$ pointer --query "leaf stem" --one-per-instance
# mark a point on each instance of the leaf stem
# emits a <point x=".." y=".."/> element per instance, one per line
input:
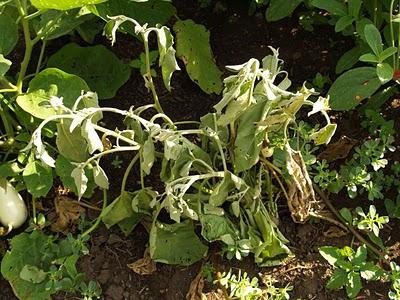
<point x="127" y="171"/>
<point x="148" y="77"/>
<point x="94" y="226"/>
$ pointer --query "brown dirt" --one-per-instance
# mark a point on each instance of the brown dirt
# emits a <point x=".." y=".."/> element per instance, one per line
<point x="235" y="38"/>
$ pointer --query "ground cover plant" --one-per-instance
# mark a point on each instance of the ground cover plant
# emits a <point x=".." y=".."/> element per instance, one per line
<point x="241" y="199"/>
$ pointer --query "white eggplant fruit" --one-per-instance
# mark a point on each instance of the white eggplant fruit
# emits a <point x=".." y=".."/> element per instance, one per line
<point x="13" y="211"/>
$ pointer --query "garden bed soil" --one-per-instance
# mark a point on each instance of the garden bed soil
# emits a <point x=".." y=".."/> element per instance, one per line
<point x="235" y="37"/>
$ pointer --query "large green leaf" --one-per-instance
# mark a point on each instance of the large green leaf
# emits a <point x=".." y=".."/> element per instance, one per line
<point x="8" y="35"/>
<point x="152" y="12"/>
<point x="38" y="179"/>
<point x="51" y="82"/>
<point x="279" y="9"/>
<point x="176" y="244"/>
<point x="193" y="48"/>
<point x="63" y="4"/>
<point x="97" y="65"/>
<point x="26" y="249"/>
<point x="216" y="228"/>
<point x="352" y="87"/>
<point x="57" y="23"/>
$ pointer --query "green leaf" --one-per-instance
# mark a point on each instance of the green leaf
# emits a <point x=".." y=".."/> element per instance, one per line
<point x="222" y="189"/>
<point x="91" y="137"/>
<point x="175" y="244"/>
<point x="9" y="169"/>
<point x="337" y="280"/>
<point x="64" y="169"/>
<point x="32" y="274"/>
<point x="97" y="65"/>
<point x="38" y="178"/>
<point x="354" y="285"/>
<point x="331" y="254"/>
<point x="279" y="9"/>
<point x="71" y="144"/>
<point x="119" y="210"/>
<point x="5" y="65"/>
<point x="193" y="48"/>
<point x="334" y="7"/>
<point x="26" y="249"/>
<point x="387" y="53"/>
<point x="360" y="256"/>
<point x="56" y="24"/>
<point x="384" y="72"/>
<point x="47" y="83"/>
<point x="354" y="7"/>
<point x="218" y="228"/>
<point x="250" y="136"/>
<point x="343" y="22"/>
<point x="348" y="59"/>
<point x="352" y="87"/>
<point x="373" y="38"/>
<point x="100" y="177"/>
<point x="152" y="12"/>
<point x="9" y="34"/>
<point x="148" y="154"/>
<point x="63" y="4"/>
<point x="346" y="214"/>
<point x="369" y="57"/>
<point x="324" y="135"/>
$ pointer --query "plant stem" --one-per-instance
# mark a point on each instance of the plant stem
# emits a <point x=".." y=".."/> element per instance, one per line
<point x="94" y="226"/>
<point x="375" y="12"/>
<point x="149" y="78"/>
<point x="28" y="45"/>
<point x="127" y="171"/>
<point x="392" y="32"/>
<point x="39" y="63"/>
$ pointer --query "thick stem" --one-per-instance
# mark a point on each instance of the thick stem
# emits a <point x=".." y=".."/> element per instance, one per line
<point x="28" y="45"/>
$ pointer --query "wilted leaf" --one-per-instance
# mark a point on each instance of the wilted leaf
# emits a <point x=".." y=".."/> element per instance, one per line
<point x="338" y="150"/>
<point x="145" y="265"/>
<point x="68" y="213"/>
<point x="38" y="178"/>
<point x="80" y="179"/>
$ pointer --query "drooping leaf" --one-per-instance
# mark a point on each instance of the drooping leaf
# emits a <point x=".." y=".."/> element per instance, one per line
<point x="5" y="65"/>
<point x="64" y="169"/>
<point x="249" y="137"/>
<point x="90" y="135"/>
<point x="97" y="65"/>
<point x="152" y="12"/>
<point x="215" y="228"/>
<point x="176" y="244"/>
<point x="38" y="179"/>
<point x="26" y="249"/>
<point x="148" y="155"/>
<point x="278" y="9"/>
<point x="100" y="177"/>
<point x="324" y="135"/>
<point x="63" y="4"/>
<point x="193" y="48"/>
<point x="51" y="82"/>
<point x="80" y="179"/>
<point x="119" y="210"/>
<point x="352" y="87"/>
<point x="9" y="34"/>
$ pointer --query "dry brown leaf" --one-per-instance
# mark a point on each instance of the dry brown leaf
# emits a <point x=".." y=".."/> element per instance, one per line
<point x="338" y="150"/>
<point x="196" y="288"/>
<point x="68" y="213"/>
<point x="334" y="232"/>
<point x="145" y="265"/>
<point x="218" y="295"/>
